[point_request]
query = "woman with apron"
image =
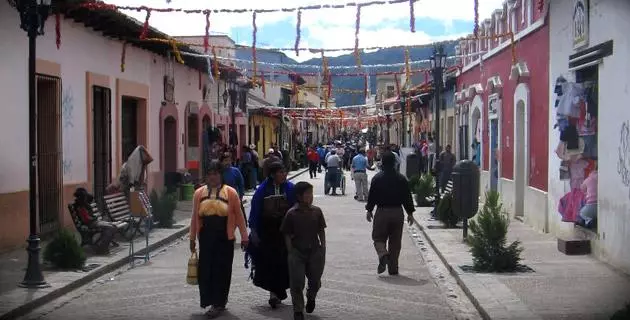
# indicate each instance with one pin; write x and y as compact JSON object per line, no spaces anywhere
{"x":216,"y":214}
{"x":267,"y":251}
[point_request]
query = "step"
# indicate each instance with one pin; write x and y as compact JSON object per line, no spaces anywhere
{"x":574,"y":246}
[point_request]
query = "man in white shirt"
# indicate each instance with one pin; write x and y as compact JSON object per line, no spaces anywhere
{"x":333,"y":167}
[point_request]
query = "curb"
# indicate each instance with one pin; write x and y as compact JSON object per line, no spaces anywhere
{"x":97,"y":273}
{"x":484,"y":314}
{"x":105,"y":269}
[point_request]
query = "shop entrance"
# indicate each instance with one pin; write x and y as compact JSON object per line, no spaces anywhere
{"x":494,"y":159}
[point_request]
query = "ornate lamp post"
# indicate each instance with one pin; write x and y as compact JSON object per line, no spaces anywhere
{"x":33,"y":15}
{"x":438,"y":62}
{"x":403,"y":106}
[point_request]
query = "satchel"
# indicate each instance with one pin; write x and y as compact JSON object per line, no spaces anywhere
{"x":191,"y":275}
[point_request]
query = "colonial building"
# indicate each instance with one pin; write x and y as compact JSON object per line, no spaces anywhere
{"x":97,"y":99}
{"x":502,"y":98}
{"x":590,"y":47}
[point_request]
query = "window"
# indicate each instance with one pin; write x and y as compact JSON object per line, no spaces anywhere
{"x":523,"y":7}
{"x":513,"y":27}
{"x":390,"y":91}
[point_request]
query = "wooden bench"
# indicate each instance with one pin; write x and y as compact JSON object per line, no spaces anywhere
{"x":87,"y":233}
{"x":119,"y":214}
{"x":447,"y":190}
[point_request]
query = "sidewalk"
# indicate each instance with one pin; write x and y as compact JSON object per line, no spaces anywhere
{"x":561,"y":286}
{"x":15,"y":301}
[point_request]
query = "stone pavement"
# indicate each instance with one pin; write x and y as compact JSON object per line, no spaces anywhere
{"x":351,"y":288}
{"x":15,"y":301}
{"x":561,"y":286}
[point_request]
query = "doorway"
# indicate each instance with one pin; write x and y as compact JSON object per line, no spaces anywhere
{"x":101,"y":135}
{"x":49,"y":167}
{"x":475,"y":137}
{"x":170,"y":144}
{"x":494,"y":159}
{"x":192,"y":150}
{"x":129,"y":126}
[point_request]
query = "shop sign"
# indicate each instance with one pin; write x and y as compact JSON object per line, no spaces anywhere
{"x":580,"y":24}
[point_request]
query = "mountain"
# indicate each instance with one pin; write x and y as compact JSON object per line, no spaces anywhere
{"x":383,"y":56}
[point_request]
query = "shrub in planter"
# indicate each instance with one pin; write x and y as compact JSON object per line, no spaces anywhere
{"x":622,"y":314}
{"x":424,"y":188}
{"x":446,"y":215}
{"x":163,"y":208}
{"x":64,"y":251}
{"x":488,"y":239}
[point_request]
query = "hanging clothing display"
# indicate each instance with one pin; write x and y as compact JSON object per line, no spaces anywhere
{"x":570,"y":205}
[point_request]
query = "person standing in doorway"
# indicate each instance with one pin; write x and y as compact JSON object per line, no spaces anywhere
{"x":359,"y":174}
{"x":216,"y":214}
{"x":389,"y":193}
{"x":267,"y":250}
{"x":303,"y":228}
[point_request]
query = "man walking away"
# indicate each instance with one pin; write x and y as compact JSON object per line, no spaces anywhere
{"x":313,"y":161}
{"x":359,"y":174}
{"x":389,"y":192}
{"x":333,"y":172}
{"x":321,"y":151}
{"x":446,"y":164}
{"x":303,"y":228}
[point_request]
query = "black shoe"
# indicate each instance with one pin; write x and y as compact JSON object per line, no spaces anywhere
{"x":382,"y":264}
{"x":274,"y":302}
{"x":310,"y":306}
{"x":393,"y":272}
{"x":298,"y":316}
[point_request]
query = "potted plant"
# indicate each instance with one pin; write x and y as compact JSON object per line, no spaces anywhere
{"x":424,"y":188}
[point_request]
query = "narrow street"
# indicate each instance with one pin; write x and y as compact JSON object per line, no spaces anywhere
{"x":351,"y":288}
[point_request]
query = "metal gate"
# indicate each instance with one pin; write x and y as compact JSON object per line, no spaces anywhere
{"x":101,"y":135}
{"x":49,"y":151}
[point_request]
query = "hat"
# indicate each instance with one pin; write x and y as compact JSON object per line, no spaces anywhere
{"x":271,"y":150}
{"x":252,"y":146}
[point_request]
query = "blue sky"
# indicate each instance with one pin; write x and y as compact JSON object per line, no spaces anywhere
{"x":381,"y":25}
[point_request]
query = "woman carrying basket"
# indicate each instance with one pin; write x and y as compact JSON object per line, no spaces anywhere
{"x":216,"y":214}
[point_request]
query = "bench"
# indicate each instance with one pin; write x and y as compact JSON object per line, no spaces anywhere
{"x":87,"y":233}
{"x":447,"y":190}
{"x":119,"y":213}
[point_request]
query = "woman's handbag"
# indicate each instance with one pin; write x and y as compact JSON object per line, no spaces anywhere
{"x":191,"y":275}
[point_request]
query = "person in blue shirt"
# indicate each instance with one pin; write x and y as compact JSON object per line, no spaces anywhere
{"x":321,"y":151}
{"x":233,"y":178}
{"x":359,"y":175}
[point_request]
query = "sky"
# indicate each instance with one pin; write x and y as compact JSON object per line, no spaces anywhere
{"x":381,"y":25}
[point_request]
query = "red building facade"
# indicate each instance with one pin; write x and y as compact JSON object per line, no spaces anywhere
{"x":502,"y":104}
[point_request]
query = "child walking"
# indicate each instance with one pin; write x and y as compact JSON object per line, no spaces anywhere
{"x":303,"y":228}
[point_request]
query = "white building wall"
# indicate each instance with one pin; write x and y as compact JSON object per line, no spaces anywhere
{"x":81,"y":50}
{"x":608,"y":21}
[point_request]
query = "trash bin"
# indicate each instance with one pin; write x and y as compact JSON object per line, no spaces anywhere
{"x":465,"y":201}
{"x":187,"y":192}
{"x":412,"y":165}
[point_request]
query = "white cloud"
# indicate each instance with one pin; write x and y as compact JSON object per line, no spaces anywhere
{"x":332,"y":28}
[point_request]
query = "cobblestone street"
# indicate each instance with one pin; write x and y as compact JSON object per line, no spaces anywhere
{"x":351,"y":288}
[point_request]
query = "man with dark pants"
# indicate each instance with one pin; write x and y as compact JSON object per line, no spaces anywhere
{"x":389,"y":192}
{"x":303,"y":228}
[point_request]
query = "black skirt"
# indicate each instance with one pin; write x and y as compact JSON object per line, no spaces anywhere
{"x":269,"y":257}
{"x":216,"y":254}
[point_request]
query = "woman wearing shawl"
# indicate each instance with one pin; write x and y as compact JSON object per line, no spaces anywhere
{"x":216,"y":214}
{"x":268,"y":252}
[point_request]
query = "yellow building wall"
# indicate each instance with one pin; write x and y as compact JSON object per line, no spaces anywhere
{"x":267,"y":127}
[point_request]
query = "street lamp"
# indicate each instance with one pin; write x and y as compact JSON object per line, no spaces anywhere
{"x":438,"y":62}
{"x":403,"y":106}
{"x":389,"y":122}
{"x":33,"y":15}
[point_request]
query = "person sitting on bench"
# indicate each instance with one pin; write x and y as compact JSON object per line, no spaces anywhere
{"x":106,"y":230}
